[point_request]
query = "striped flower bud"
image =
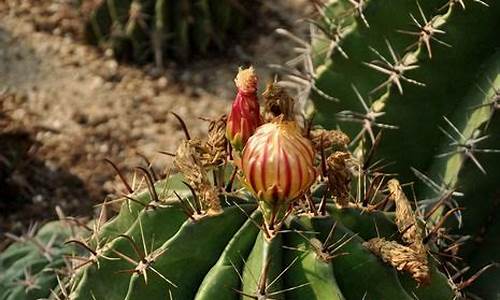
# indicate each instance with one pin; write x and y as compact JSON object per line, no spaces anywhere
{"x":244,"y":117}
{"x":278,"y":164}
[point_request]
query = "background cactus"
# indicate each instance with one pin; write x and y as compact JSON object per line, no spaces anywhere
{"x":146,"y":30}
{"x":427,"y":74}
{"x":30,"y":267}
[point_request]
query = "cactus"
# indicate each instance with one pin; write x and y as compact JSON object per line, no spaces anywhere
{"x":426,"y":73}
{"x":147,"y":30}
{"x":29,"y":268}
{"x":249,"y":225}
{"x":466,"y":172}
{"x":227,"y":255}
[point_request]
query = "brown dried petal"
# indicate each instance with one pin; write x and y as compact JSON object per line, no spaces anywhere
{"x":401,"y":257}
{"x":216,"y":144}
{"x":277,"y":102}
{"x":188,"y":161}
{"x":210,"y":198}
{"x":405,"y":217}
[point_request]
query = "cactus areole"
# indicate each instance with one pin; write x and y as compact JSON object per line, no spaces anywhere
{"x":244,"y":117}
{"x":278,"y":164}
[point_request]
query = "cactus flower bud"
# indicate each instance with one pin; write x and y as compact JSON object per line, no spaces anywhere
{"x":278,"y":164}
{"x":244,"y":117}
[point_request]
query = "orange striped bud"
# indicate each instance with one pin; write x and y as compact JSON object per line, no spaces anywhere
{"x":278,"y":164}
{"x":244,"y":117}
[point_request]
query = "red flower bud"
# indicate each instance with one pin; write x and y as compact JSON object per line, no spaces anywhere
{"x":278,"y":164}
{"x":244,"y":117}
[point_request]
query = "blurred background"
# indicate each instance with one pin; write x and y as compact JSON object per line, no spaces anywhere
{"x":81,"y":82}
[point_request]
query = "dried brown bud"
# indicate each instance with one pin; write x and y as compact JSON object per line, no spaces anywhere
{"x":277,"y":102}
{"x":401,"y":257}
{"x":339,"y":177}
{"x":329,"y":139}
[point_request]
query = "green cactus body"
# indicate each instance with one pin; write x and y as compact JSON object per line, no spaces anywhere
{"x":225,"y":255}
{"x":223,"y":274}
{"x":448,"y":75}
{"x":306,"y":266}
{"x":480,"y":191}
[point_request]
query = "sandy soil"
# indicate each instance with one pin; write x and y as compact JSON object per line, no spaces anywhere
{"x":75,"y":106}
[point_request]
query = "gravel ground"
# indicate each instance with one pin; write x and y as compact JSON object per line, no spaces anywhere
{"x":75,"y":106}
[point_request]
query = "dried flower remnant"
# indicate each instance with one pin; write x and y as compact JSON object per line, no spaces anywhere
{"x":188,"y":161}
{"x":277,"y":102}
{"x":326,"y":140}
{"x":216,"y":143}
{"x":339,"y":177}
{"x":405,"y":218}
{"x":401,"y":257}
{"x":411,"y":257}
